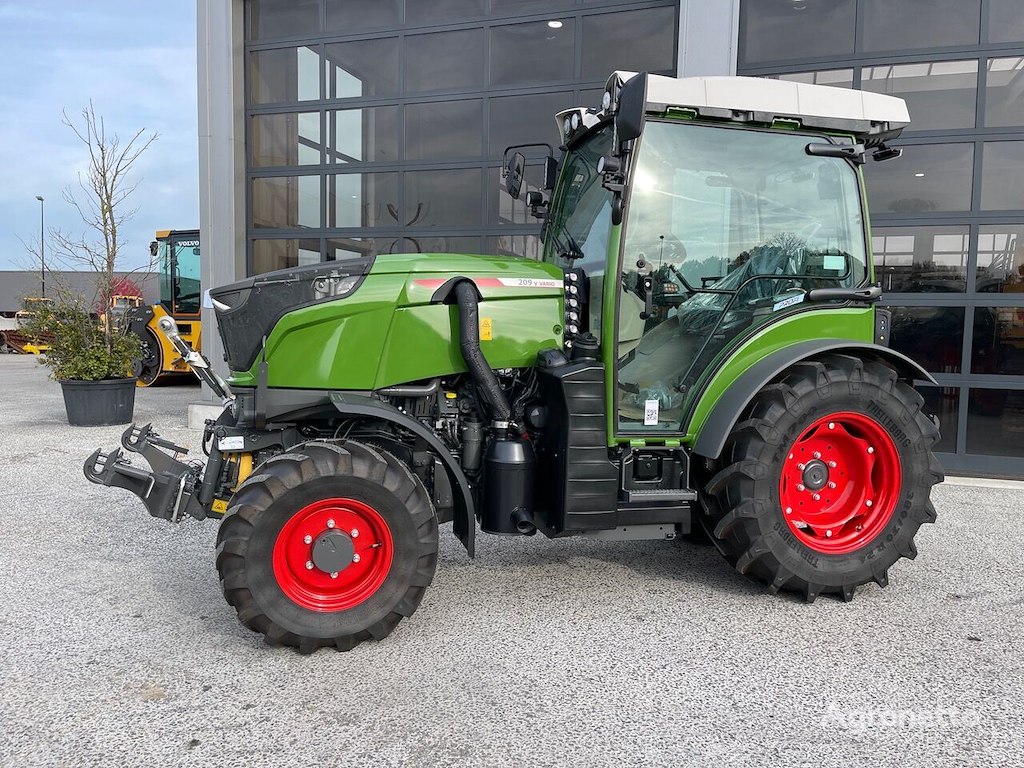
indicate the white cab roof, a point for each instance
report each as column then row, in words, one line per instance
column 818, row 106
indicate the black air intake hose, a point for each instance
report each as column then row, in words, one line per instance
column 469, row 342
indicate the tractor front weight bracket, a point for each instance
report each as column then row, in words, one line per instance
column 168, row 488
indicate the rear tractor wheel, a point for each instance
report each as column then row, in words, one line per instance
column 825, row 480
column 327, row 545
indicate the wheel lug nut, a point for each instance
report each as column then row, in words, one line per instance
column 801, row 467
column 800, row 486
column 309, row 565
column 831, row 485
column 832, row 465
column 868, row 503
column 789, row 510
column 831, row 425
column 334, row 575
column 828, row 534
column 817, row 497
column 860, row 527
column 356, row 558
column 817, row 454
column 330, row 523
column 307, row 539
column 355, row 532
column 791, row 455
column 871, row 449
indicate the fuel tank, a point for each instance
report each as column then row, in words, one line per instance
column 366, row 323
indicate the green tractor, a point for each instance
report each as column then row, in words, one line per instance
column 697, row 351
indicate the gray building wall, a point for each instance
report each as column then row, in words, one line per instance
column 15, row 285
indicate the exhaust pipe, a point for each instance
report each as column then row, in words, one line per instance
column 522, row 519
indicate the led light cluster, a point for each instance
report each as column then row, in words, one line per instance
column 573, row 306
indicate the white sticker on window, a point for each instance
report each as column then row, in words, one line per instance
column 234, row 443
column 788, row 302
column 651, row 413
column 834, row 263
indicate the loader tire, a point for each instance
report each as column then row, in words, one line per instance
column 327, row 508
column 825, row 479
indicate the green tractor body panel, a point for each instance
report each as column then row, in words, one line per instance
column 391, row 330
column 847, row 324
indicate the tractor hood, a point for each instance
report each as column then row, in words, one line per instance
column 345, row 318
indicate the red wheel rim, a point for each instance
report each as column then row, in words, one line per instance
column 347, row 520
column 840, row 483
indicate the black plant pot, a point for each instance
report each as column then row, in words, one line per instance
column 96, row 403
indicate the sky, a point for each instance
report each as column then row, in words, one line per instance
column 136, row 61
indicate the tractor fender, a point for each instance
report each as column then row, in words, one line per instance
column 711, row 439
column 356, row 404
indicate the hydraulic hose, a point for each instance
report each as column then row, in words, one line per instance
column 469, row 342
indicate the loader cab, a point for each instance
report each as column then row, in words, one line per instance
column 177, row 253
column 691, row 233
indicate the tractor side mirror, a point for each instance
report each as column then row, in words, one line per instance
column 153, row 247
column 514, row 172
column 550, row 173
column 632, row 103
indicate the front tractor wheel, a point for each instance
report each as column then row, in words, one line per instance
column 825, row 480
column 327, row 545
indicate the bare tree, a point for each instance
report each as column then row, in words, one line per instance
column 102, row 204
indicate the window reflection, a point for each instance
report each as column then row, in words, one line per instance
column 436, row 11
column 1000, row 259
column 897, row 26
column 933, row 336
column 348, row 16
column 268, row 255
column 929, row 177
column 533, row 52
column 836, row 78
column 287, row 139
column 279, row 202
column 771, row 30
column 284, row 74
column 443, row 198
column 1002, row 183
column 998, row 340
column 1003, row 91
column 995, row 422
column 944, row 404
column 527, row 246
column 525, row 119
column 269, row 19
column 921, row 259
column 643, row 41
column 443, row 130
column 362, row 68
column 362, row 200
column 1005, row 21
column 444, row 61
column 363, row 135
column 939, row 94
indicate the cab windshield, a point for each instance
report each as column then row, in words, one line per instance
column 733, row 226
column 179, row 273
column 580, row 221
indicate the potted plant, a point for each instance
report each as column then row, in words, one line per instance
column 93, row 367
column 90, row 354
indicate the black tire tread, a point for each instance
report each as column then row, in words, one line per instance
column 733, row 514
column 286, row 471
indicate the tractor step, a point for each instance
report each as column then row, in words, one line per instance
column 167, row 489
column 634, row 495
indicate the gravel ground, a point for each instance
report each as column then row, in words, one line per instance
column 118, row 648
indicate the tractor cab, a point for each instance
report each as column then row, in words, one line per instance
column 696, row 213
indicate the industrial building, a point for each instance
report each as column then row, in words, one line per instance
column 337, row 127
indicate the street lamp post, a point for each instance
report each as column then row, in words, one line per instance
column 42, row 249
